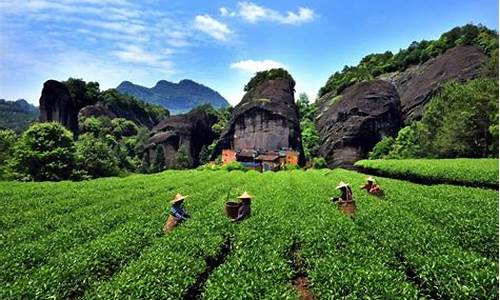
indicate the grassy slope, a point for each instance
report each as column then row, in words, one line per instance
column 468, row 171
column 102, row 238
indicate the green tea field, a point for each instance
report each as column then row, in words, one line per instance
column 102, row 239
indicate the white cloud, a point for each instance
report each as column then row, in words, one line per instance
column 253, row 66
column 225, row 12
column 253, row 13
column 212, row 27
column 136, row 54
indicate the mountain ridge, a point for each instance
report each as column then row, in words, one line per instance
column 17, row 114
column 178, row 97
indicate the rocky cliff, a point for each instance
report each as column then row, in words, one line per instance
column 265, row 119
column 350, row 124
column 190, row 131
column 56, row 105
column 419, row 83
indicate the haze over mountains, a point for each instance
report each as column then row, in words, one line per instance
column 17, row 115
column 176, row 97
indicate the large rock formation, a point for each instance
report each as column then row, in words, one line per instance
column 352, row 123
column 56, row 105
column 266, row 119
column 190, row 131
column 418, row 84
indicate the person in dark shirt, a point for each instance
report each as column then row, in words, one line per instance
column 244, row 210
column 177, row 213
column 177, row 209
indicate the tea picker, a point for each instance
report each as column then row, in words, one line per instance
column 345, row 202
column 177, row 213
column 372, row 188
column 244, row 210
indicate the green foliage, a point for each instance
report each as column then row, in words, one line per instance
column 128, row 103
column 460, row 121
column 204, row 155
column 382, row 148
column 17, row 115
column 45, row 151
column 105, row 242
column 96, row 126
column 291, row 167
column 468, row 171
column 271, row 74
column 319, row 163
column 309, row 133
column 123, row 128
column 418, row 52
column 159, row 161
column 182, row 160
column 94, row 158
column 410, row 143
column 83, row 93
column 7, row 139
column 233, row 166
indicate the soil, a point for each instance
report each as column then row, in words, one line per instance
column 300, row 280
column 195, row 290
column 426, row 291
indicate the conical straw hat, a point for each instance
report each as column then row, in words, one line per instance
column 341, row 185
column 245, row 195
column 178, row 198
column 370, row 179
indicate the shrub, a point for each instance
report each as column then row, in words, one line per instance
column 290, row 167
column 182, row 160
column 95, row 158
column 45, row 151
column 382, row 148
column 122, row 127
column 319, row 163
column 97, row 126
column 233, row 166
column 7, row 140
column 268, row 75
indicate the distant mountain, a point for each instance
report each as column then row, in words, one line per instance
column 176, row 97
column 17, row 115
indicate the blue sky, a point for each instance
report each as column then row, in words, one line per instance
column 217, row 43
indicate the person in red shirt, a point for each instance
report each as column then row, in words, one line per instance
column 371, row 187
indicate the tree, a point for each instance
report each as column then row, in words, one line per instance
column 319, row 163
column 204, row 155
column 382, row 148
column 45, row 151
column 95, row 158
column 271, row 74
column 83, row 93
column 96, row 126
column 182, row 160
column 159, row 161
column 460, row 121
column 7, row 140
column 309, row 134
column 122, row 127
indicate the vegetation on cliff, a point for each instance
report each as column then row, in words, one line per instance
column 460, row 121
column 268, row 75
column 376, row 64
